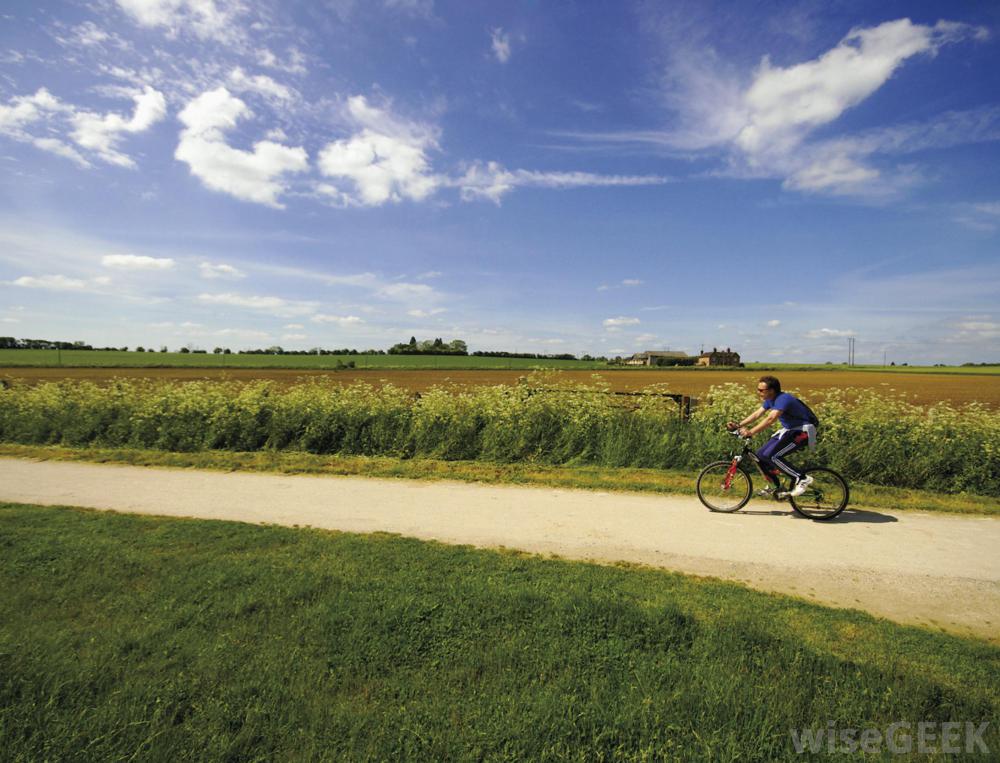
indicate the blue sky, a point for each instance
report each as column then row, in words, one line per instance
column 598, row 178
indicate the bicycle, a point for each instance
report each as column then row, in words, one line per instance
column 726, row 486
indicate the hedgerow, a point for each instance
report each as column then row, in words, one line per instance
column 872, row 437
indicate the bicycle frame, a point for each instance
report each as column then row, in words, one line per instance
column 737, row 459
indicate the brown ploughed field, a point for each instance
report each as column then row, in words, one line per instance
column 919, row 388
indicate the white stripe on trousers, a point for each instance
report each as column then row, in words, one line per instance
column 776, row 458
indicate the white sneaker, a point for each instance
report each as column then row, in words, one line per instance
column 802, row 485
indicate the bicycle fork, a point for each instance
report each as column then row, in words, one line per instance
column 728, row 481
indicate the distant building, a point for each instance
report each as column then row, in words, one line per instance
column 653, row 357
column 719, row 357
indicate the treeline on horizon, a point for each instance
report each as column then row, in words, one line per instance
column 426, row 347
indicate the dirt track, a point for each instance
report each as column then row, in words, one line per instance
column 913, row 567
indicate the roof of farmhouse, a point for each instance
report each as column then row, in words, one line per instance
column 663, row 354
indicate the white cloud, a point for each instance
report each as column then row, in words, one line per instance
column 56, row 146
column 237, row 300
column 94, row 132
column 256, row 176
column 294, row 65
column 765, row 122
column 275, row 305
column 785, row 103
column 341, row 320
column 261, row 84
column 136, row 262
column 631, row 282
column 426, row 313
column 491, row 180
column 88, row 34
column 827, row 333
column 500, row 42
column 615, row 323
column 404, row 291
column 645, row 338
column 50, row 283
column 100, row 133
column 293, row 337
column 206, row 18
column 385, row 161
column 294, row 326
column 989, row 208
column 25, row 109
column 210, row 270
column 978, row 329
column 774, row 324
column 10, row 320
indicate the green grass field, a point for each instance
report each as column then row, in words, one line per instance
column 112, row 359
column 135, row 638
column 118, row 359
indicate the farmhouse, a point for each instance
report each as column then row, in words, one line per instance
column 655, row 358
column 719, row 357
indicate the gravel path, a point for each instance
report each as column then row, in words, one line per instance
column 931, row 569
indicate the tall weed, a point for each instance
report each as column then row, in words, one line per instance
column 879, row 438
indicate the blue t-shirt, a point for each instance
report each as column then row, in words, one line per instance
column 793, row 412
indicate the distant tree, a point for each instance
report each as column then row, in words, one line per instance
column 217, row 351
column 227, row 351
column 185, row 349
column 140, row 348
column 163, row 348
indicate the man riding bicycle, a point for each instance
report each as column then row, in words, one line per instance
column 798, row 427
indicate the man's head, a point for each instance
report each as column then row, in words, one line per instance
column 768, row 387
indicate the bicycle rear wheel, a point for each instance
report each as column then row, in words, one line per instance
column 714, row 492
column 825, row 498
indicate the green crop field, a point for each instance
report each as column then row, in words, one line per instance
column 118, row 359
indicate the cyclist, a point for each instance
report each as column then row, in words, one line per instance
column 798, row 427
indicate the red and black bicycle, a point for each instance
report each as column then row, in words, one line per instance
column 727, row 486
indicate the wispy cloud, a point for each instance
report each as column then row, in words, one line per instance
column 492, row 181
column 219, row 270
column 137, row 262
column 500, row 43
column 619, row 322
column 762, row 124
column 283, row 308
column 207, row 19
column 97, row 134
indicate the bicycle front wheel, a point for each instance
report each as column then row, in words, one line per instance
column 719, row 493
column 825, row 498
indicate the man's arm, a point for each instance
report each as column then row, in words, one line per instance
column 769, row 419
column 752, row 417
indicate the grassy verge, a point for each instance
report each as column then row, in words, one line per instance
column 583, row 477
column 128, row 637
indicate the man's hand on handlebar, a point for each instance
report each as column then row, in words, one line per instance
column 732, row 426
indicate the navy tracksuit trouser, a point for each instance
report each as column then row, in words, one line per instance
column 773, row 453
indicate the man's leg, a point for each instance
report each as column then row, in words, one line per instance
column 779, row 447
